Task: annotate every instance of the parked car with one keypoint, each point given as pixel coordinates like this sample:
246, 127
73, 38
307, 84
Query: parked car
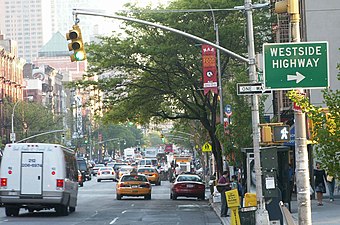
106, 173
133, 184
187, 185
151, 173
96, 167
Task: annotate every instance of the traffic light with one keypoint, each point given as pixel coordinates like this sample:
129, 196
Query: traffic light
85, 139
287, 6
266, 134
163, 138
76, 45
281, 133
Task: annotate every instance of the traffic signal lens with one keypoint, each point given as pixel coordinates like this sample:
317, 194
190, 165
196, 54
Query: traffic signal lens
75, 45
73, 35
79, 56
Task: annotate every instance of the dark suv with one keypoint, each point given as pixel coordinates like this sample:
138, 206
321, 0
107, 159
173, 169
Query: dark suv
84, 168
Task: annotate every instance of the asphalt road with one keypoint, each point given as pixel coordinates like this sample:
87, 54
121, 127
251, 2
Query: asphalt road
97, 205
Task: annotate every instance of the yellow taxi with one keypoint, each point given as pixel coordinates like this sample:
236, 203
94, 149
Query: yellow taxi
151, 173
133, 184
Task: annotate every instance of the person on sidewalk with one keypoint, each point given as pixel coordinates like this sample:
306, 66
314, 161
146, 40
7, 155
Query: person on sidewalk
224, 185
331, 185
320, 188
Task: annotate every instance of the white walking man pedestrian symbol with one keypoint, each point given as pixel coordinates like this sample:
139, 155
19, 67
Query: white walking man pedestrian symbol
284, 133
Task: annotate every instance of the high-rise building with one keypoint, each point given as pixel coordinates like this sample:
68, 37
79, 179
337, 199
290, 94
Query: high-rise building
32, 23
27, 22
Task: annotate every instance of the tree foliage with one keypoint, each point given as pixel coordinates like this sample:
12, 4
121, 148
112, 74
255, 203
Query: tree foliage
30, 118
155, 74
325, 128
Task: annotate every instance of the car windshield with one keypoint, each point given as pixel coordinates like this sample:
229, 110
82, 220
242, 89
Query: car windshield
99, 165
125, 168
105, 168
143, 170
118, 165
189, 178
82, 165
134, 178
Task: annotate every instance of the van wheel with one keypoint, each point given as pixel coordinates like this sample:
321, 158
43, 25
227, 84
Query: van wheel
12, 211
62, 210
72, 209
119, 197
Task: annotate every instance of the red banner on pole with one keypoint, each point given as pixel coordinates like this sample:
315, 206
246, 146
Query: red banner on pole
209, 69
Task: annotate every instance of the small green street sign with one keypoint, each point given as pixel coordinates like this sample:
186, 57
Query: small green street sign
295, 65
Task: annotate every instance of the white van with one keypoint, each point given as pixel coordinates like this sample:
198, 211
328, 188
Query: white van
38, 176
148, 162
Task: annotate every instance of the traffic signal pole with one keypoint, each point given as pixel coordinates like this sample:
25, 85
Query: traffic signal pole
262, 216
301, 152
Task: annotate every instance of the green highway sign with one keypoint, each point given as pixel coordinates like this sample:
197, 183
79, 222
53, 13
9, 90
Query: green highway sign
295, 65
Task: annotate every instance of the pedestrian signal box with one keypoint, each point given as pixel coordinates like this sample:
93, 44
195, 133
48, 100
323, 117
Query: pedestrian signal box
281, 134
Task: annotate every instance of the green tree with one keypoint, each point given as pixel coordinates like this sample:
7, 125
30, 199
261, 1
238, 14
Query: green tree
160, 72
326, 132
31, 119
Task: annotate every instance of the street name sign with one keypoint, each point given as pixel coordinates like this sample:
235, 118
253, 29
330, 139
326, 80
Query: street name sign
295, 65
251, 88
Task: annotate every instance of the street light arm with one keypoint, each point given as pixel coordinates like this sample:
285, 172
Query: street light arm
232, 54
41, 134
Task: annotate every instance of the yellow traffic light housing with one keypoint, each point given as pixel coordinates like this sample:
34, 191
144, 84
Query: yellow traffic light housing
287, 6
76, 45
266, 134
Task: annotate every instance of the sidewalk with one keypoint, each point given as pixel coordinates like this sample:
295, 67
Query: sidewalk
328, 214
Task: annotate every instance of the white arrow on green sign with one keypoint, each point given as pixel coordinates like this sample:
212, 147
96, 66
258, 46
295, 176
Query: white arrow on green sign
295, 65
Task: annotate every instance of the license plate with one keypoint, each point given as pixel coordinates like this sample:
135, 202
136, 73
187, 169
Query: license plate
12, 193
134, 186
190, 185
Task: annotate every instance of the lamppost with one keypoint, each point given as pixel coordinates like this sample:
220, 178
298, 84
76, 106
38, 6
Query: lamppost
12, 133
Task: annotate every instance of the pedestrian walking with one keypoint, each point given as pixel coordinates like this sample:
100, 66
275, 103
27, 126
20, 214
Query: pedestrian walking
320, 187
223, 185
330, 180
177, 170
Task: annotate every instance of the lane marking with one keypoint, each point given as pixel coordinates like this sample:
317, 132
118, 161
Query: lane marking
124, 211
114, 220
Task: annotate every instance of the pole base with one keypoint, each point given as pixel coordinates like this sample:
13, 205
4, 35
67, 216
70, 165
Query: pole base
262, 217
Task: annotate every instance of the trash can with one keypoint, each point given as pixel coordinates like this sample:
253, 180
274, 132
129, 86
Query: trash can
247, 215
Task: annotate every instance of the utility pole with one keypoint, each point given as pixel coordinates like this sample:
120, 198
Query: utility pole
301, 153
262, 216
